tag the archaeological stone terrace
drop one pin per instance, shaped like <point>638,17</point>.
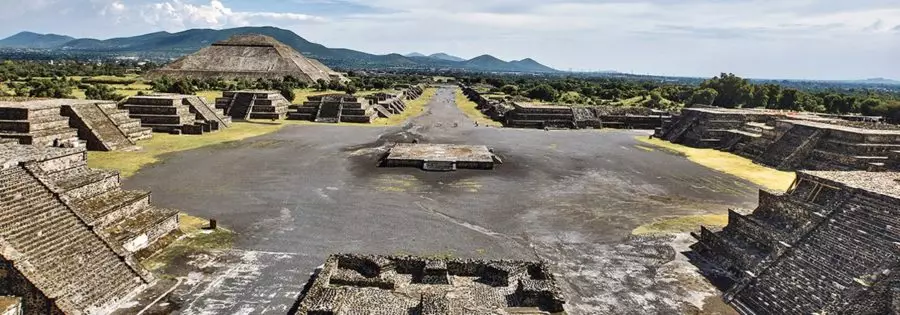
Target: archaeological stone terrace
<point>826,246</point>
<point>253,104</point>
<point>248,57</point>
<point>359,284</point>
<point>335,108</point>
<point>535,115</point>
<point>175,113</point>
<point>440,157</point>
<point>99,125</point>
<point>788,140</point>
<point>69,234</point>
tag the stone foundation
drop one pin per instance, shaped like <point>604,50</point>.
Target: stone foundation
<point>825,246</point>
<point>173,113</point>
<point>440,157</point>
<point>353,284</point>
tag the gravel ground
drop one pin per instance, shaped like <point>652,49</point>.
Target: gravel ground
<point>569,197</point>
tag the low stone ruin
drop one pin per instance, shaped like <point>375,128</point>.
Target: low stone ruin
<point>787,140</point>
<point>334,108</point>
<point>99,125</point>
<point>253,104</point>
<point>358,284</point>
<point>174,113</point>
<point>826,246</point>
<point>440,157</point>
<point>533,115</point>
<point>69,233</point>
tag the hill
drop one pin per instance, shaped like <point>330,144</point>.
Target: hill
<point>34,40</point>
<point>165,45</point>
<point>443,56</point>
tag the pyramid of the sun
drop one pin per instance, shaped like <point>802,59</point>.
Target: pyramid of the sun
<point>248,57</point>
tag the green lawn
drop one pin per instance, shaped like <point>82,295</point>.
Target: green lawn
<point>469,108</point>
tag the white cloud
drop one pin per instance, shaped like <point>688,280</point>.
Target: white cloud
<point>177,15</point>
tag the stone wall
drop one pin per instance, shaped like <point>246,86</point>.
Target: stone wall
<point>349,284</point>
<point>785,140</point>
<point>253,104</point>
<point>829,246</point>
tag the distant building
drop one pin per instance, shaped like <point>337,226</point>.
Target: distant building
<point>248,57</point>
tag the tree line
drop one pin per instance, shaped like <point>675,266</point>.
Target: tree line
<point>725,90</point>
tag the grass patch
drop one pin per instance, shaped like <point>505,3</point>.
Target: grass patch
<point>210,96</point>
<point>681,224</point>
<point>468,108</point>
<point>731,164</point>
<point>194,240</point>
<point>413,108</point>
<point>128,163</point>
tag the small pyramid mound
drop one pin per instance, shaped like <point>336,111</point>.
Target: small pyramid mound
<point>248,57</point>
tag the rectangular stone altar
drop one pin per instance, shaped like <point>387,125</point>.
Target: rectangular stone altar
<point>440,157</point>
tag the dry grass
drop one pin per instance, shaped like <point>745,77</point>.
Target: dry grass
<point>413,108</point>
<point>210,96</point>
<point>731,164</point>
<point>128,163</point>
<point>468,108</point>
<point>682,224</point>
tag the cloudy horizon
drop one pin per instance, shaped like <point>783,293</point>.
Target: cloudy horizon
<point>792,39</point>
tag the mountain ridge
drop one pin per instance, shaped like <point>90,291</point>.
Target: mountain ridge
<point>166,45</point>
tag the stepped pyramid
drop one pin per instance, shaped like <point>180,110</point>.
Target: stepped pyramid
<point>62,122</point>
<point>175,113</point>
<point>827,246</point>
<point>248,57</point>
<point>68,233</point>
<point>334,108</point>
<point>253,104</point>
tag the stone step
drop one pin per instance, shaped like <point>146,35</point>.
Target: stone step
<point>85,182</point>
<point>139,230</point>
<point>111,206</point>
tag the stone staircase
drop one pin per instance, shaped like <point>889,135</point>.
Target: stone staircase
<point>124,218</point>
<point>786,145</point>
<point>37,123</point>
<point>96,127</point>
<point>253,105</point>
<point>334,108</point>
<point>130,126</point>
<point>213,118</point>
<point>56,252</point>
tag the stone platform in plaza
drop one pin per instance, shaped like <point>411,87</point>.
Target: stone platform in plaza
<point>440,157</point>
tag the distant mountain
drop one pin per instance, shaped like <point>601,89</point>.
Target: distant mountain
<point>172,45</point>
<point>443,56</point>
<point>879,81</point>
<point>34,40</point>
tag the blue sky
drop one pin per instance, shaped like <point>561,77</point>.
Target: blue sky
<point>813,39</point>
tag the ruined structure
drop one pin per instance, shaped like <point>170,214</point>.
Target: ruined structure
<point>787,140</point>
<point>356,284</point>
<point>826,246</point>
<point>334,108</point>
<point>440,157</point>
<point>253,104</point>
<point>69,233</point>
<point>532,115</point>
<point>174,113</point>
<point>248,57</point>
<point>99,125</point>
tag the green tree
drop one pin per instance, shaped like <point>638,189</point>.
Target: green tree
<point>705,96</point>
<point>510,89</point>
<point>733,90</point>
<point>543,92</point>
<point>288,93</point>
<point>102,92</point>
